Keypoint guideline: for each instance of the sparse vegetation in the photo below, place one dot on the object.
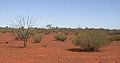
(18, 36)
(37, 38)
(59, 31)
(61, 37)
(115, 37)
(22, 25)
(91, 40)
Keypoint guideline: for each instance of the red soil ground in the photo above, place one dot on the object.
(51, 51)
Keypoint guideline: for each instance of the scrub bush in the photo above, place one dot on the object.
(61, 37)
(91, 40)
(37, 38)
(115, 37)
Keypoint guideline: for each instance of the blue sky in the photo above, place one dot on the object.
(64, 13)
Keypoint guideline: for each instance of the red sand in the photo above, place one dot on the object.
(51, 51)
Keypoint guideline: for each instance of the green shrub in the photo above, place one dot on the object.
(91, 40)
(37, 38)
(115, 37)
(61, 37)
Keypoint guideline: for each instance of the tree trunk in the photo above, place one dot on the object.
(25, 43)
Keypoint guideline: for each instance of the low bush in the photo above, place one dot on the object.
(91, 40)
(115, 37)
(37, 38)
(76, 33)
(18, 36)
(61, 37)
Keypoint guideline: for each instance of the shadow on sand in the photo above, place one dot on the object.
(80, 50)
(16, 46)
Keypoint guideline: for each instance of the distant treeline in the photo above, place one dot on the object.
(57, 29)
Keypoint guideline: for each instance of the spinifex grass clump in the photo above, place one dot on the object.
(37, 38)
(61, 37)
(91, 40)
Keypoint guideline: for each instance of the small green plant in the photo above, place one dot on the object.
(91, 40)
(61, 37)
(37, 38)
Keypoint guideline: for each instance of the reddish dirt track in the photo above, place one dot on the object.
(51, 51)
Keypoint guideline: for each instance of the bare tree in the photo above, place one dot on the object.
(23, 25)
